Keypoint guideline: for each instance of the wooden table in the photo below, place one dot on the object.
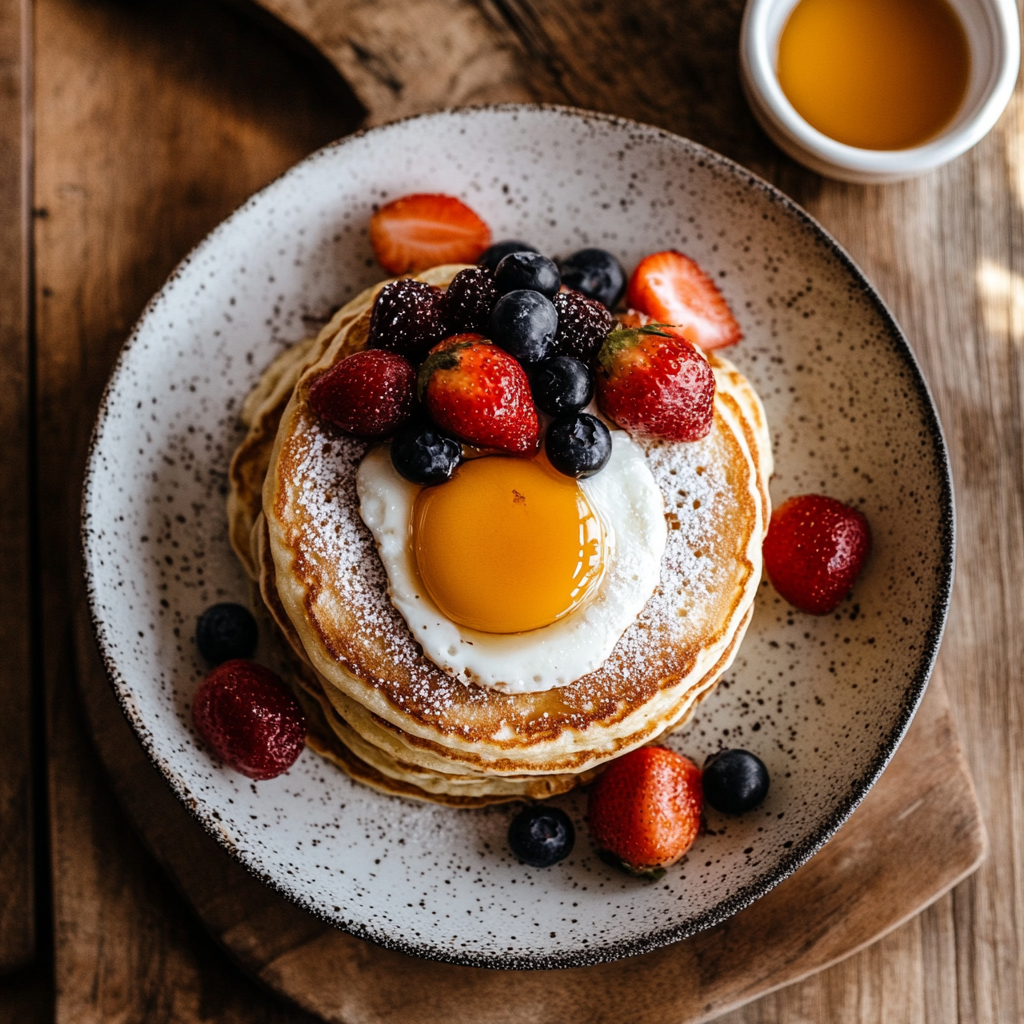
(152, 120)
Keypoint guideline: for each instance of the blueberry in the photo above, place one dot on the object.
(541, 836)
(496, 253)
(562, 384)
(527, 270)
(578, 444)
(424, 455)
(596, 273)
(469, 300)
(523, 323)
(735, 781)
(226, 631)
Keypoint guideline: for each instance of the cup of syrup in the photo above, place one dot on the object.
(878, 90)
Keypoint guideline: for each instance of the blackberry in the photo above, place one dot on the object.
(491, 257)
(407, 318)
(583, 324)
(469, 300)
(596, 273)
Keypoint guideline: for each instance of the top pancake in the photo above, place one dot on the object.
(333, 589)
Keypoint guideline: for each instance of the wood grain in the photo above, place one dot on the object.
(17, 923)
(881, 869)
(153, 121)
(946, 251)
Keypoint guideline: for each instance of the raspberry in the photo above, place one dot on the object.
(469, 300)
(245, 713)
(369, 394)
(407, 317)
(583, 324)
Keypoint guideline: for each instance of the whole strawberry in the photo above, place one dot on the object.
(815, 549)
(644, 811)
(370, 393)
(653, 381)
(673, 289)
(479, 393)
(245, 713)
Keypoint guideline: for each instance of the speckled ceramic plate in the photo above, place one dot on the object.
(823, 701)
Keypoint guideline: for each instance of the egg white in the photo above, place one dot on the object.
(629, 502)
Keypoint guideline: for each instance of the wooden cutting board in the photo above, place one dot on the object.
(917, 834)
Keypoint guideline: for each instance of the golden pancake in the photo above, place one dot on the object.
(333, 591)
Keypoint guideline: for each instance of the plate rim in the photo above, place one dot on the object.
(856, 790)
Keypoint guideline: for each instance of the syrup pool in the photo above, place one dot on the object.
(876, 74)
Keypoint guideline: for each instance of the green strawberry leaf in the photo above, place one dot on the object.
(625, 338)
(447, 360)
(647, 874)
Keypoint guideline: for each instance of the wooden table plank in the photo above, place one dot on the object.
(17, 925)
(945, 251)
(153, 121)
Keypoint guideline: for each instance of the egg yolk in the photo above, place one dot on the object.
(507, 545)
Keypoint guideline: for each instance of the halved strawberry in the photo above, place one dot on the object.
(423, 230)
(479, 393)
(644, 811)
(673, 289)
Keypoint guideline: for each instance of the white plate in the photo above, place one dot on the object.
(823, 701)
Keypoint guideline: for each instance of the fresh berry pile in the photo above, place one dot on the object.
(514, 351)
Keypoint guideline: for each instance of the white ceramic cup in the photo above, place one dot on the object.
(993, 35)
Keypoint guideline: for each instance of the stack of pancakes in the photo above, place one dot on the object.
(391, 718)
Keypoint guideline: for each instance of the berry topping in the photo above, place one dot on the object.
(583, 324)
(424, 455)
(245, 713)
(469, 300)
(541, 836)
(524, 323)
(527, 270)
(479, 393)
(370, 393)
(561, 385)
(814, 551)
(654, 382)
(735, 781)
(425, 230)
(226, 631)
(644, 810)
(596, 273)
(671, 288)
(407, 318)
(578, 444)
(493, 255)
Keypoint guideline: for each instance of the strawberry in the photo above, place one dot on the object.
(815, 549)
(245, 713)
(424, 230)
(673, 289)
(479, 393)
(653, 381)
(369, 393)
(644, 810)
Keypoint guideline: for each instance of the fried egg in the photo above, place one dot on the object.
(510, 575)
